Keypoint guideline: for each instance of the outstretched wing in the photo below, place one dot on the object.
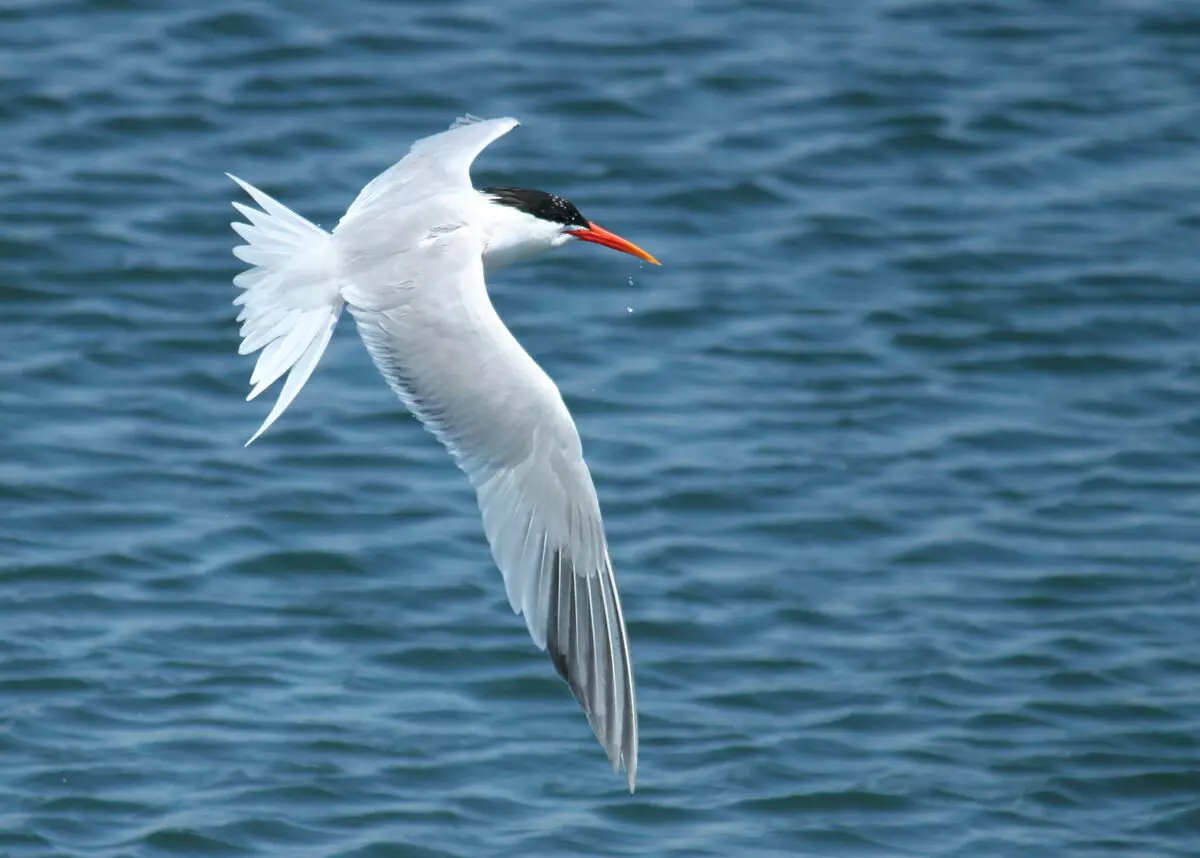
(428, 324)
(439, 163)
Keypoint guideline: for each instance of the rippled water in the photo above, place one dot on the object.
(899, 451)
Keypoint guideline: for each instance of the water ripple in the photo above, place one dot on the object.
(896, 451)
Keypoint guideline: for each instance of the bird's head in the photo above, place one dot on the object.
(528, 222)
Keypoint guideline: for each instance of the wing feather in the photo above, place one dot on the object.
(451, 360)
(434, 164)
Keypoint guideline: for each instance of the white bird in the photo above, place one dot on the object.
(408, 260)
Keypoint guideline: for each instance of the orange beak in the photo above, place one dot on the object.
(599, 235)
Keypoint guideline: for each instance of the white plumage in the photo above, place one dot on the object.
(408, 260)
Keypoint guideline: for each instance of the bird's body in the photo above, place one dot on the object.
(408, 260)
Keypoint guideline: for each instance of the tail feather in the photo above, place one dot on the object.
(291, 296)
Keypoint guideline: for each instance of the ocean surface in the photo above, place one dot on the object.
(899, 450)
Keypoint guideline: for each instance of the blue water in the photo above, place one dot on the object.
(899, 451)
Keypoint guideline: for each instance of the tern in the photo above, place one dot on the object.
(408, 260)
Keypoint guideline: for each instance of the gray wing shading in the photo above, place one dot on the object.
(447, 355)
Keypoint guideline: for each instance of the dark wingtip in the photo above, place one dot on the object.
(559, 659)
(559, 651)
(559, 654)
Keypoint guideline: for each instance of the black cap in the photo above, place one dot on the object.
(539, 204)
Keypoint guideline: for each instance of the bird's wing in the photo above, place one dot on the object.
(435, 164)
(425, 317)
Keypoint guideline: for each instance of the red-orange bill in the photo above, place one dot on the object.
(599, 235)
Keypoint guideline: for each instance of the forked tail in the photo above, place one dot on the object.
(291, 299)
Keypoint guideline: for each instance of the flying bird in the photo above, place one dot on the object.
(408, 260)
